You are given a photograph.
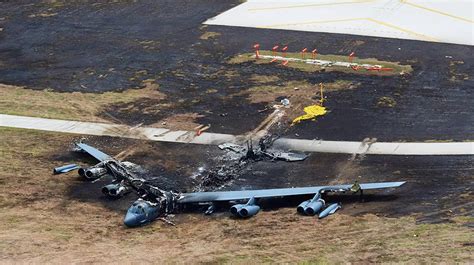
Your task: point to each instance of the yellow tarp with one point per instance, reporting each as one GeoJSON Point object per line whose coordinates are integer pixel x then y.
{"type": "Point", "coordinates": [311, 113]}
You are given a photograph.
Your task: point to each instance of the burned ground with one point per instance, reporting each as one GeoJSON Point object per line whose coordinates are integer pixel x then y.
{"type": "Point", "coordinates": [114, 45]}
{"type": "Point", "coordinates": [437, 188]}
{"type": "Point", "coordinates": [66, 46]}
{"type": "Point", "coordinates": [61, 218]}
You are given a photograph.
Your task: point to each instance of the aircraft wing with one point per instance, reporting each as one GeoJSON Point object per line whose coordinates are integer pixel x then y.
{"type": "Point", "coordinates": [214, 196]}
{"type": "Point", "coordinates": [96, 153]}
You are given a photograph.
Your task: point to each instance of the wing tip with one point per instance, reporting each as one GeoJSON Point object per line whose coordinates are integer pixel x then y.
{"type": "Point", "coordinates": [400, 183]}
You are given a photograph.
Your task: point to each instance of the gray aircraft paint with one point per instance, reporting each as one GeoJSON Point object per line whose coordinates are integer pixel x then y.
{"type": "Point", "coordinates": [147, 212]}
{"type": "Point", "coordinates": [329, 210]}
{"type": "Point", "coordinates": [65, 169]}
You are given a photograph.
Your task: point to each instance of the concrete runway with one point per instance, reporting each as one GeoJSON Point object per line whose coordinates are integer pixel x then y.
{"type": "Point", "coordinates": [306, 145]}
{"type": "Point", "coordinates": [423, 20]}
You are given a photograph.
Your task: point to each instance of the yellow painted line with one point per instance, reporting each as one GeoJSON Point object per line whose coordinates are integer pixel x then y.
{"type": "Point", "coordinates": [309, 5]}
{"type": "Point", "coordinates": [437, 11]}
{"type": "Point", "coordinates": [310, 22]}
{"type": "Point", "coordinates": [419, 35]}
{"type": "Point", "coordinates": [424, 37]}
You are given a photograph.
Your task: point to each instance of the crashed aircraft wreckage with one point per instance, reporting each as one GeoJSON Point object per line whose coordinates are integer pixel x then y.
{"type": "Point", "coordinates": [155, 202]}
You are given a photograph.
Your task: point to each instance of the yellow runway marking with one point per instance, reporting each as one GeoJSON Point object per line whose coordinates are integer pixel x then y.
{"type": "Point", "coordinates": [437, 11]}
{"type": "Point", "coordinates": [310, 5]}
{"type": "Point", "coordinates": [311, 22]}
{"type": "Point", "coordinates": [419, 35]}
{"type": "Point", "coordinates": [402, 29]}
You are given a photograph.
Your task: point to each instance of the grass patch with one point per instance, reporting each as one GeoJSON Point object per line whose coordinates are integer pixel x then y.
{"type": "Point", "coordinates": [262, 79]}
{"type": "Point", "coordinates": [67, 105]}
{"type": "Point", "coordinates": [397, 67]}
{"type": "Point", "coordinates": [62, 229]}
{"type": "Point", "coordinates": [209, 35]}
{"type": "Point", "coordinates": [297, 91]}
{"type": "Point", "coordinates": [386, 102]}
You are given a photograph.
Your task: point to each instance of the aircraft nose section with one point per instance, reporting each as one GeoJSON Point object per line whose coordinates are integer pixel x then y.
{"type": "Point", "coordinates": [131, 220]}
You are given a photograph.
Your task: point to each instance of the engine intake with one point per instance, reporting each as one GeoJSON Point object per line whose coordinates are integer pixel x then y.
{"type": "Point", "coordinates": [311, 207]}
{"type": "Point", "coordinates": [245, 210]}
{"type": "Point", "coordinates": [92, 172]}
{"type": "Point", "coordinates": [115, 190]}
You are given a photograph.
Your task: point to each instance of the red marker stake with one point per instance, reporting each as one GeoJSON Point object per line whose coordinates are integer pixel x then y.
{"type": "Point", "coordinates": [256, 47]}
{"type": "Point", "coordinates": [314, 53]}
{"type": "Point", "coordinates": [274, 50]}
{"type": "Point", "coordinates": [351, 56]}
{"type": "Point", "coordinates": [303, 51]}
{"type": "Point", "coordinates": [283, 51]}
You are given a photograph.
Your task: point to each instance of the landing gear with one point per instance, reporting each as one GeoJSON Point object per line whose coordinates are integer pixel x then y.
{"type": "Point", "coordinates": [210, 210]}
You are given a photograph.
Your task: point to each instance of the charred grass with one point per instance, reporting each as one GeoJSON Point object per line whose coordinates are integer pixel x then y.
{"type": "Point", "coordinates": [44, 225]}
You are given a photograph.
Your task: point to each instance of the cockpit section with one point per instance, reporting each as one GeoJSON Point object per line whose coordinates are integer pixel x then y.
{"type": "Point", "coordinates": [141, 212]}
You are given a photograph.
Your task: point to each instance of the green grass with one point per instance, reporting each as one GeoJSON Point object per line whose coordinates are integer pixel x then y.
{"type": "Point", "coordinates": [397, 67]}
{"type": "Point", "coordinates": [66, 105]}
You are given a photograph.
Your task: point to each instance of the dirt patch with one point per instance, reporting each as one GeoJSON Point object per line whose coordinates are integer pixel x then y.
{"type": "Point", "coordinates": [45, 224]}
{"type": "Point", "coordinates": [209, 35]}
{"type": "Point", "coordinates": [114, 45]}
{"type": "Point", "coordinates": [300, 93]}
{"type": "Point", "coordinates": [264, 79]}
{"type": "Point", "coordinates": [185, 121]}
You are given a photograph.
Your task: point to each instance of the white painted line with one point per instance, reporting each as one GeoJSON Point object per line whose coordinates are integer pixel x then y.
{"type": "Point", "coordinates": [165, 135]}
{"type": "Point", "coordinates": [438, 21]}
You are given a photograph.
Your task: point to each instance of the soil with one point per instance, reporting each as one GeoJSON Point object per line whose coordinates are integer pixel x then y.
{"type": "Point", "coordinates": [76, 46]}
{"type": "Point", "coordinates": [62, 218]}
{"type": "Point", "coordinates": [116, 45]}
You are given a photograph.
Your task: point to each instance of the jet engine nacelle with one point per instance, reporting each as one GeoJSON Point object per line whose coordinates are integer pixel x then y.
{"type": "Point", "coordinates": [311, 207]}
{"type": "Point", "coordinates": [244, 210]}
{"type": "Point", "coordinates": [115, 190]}
{"type": "Point", "coordinates": [92, 172]}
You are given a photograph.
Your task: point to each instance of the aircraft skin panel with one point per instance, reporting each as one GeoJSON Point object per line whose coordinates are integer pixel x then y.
{"type": "Point", "coordinates": [96, 153]}
{"type": "Point", "coordinates": [268, 193]}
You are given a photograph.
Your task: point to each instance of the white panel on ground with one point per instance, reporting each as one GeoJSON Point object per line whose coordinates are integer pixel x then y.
{"type": "Point", "coordinates": [402, 19]}
{"type": "Point", "coordinates": [165, 135]}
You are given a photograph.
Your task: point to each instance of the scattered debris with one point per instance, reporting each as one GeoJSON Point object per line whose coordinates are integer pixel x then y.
{"type": "Point", "coordinates": [363, 148]}
{"type": "Point", "coordinates": [285, 102]}
{"type": "Point", "coordinates": [330, 210]}
{"type": "Point", "coordinates": [242, 156]}
{"type": "Point", "coordinates": [201, 128]}
{"type": "Point", "coordinates": [65, 169]}
{"type": "Point", "coordinates": [166, 221]}
{"type": "Point", "coordinates": [43, 15]}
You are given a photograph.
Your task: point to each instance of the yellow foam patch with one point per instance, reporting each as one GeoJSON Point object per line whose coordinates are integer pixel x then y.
{"type": "Point", "coordinates": [311, 113]}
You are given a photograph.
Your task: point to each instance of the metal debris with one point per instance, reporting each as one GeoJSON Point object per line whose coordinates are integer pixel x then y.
{"type": "Point", "coordinates": [65, 169]}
